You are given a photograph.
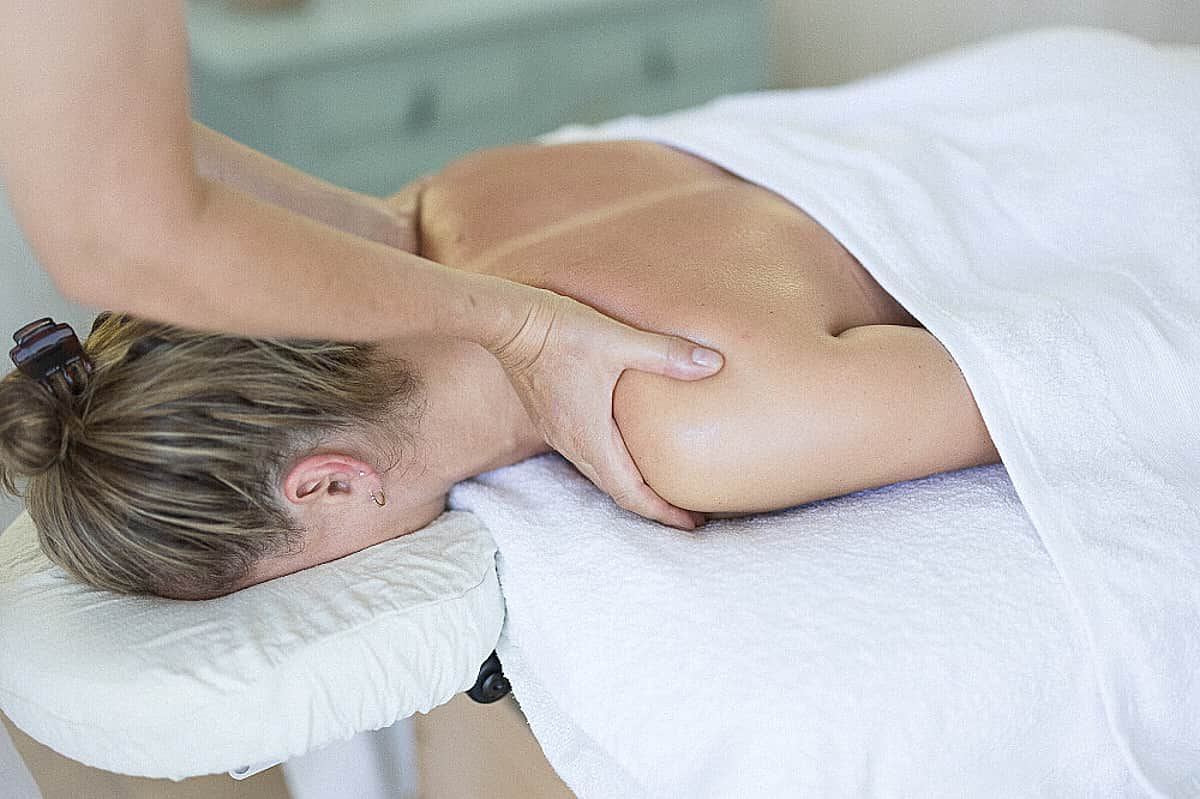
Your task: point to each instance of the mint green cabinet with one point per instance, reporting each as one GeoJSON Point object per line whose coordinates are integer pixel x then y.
{"type": "Point", "coordinates": [370, 93]}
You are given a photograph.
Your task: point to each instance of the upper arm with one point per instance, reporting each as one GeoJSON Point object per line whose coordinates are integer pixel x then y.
{"type": "Point", "coordinates": [723, 444]}
{"type": "Point", "coordinates": [95, 137]}
{"type": "Point", "coordinates": [791, 421]}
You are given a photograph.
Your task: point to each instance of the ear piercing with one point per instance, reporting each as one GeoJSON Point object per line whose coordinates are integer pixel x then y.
{"type": "Point", "coordinates": [380, 500]}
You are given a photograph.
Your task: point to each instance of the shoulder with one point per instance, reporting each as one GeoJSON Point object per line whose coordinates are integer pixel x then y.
{"type": "Point", "coordinates": [715, 445]}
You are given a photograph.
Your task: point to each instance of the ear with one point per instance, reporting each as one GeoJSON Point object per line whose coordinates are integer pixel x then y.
{"type": "Point", "coordinates": [328, 477]}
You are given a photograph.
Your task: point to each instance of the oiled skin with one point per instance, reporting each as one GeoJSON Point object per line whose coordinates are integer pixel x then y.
{"type": "Point", "coordinates": [830, 386]}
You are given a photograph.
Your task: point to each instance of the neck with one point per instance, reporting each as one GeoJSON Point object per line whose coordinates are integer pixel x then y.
{"type": "Point", "coordinates": [472, 420]}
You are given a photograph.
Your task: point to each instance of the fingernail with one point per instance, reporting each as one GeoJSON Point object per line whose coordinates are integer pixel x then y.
{"type": "Point", "coordinates": [710, 359]}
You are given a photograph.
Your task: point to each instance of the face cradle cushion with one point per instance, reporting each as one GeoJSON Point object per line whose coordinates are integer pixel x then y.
{"type": "Point", "coordinates": [165, 688]}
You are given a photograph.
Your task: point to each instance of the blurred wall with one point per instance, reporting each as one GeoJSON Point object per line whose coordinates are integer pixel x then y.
{"type": "Point", "coordinates": [820, 42]}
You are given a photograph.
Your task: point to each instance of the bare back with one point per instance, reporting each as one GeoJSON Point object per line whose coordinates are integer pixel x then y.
{"type": "Point", "coordinates": [671, 243]}
{"type": "Point", "coordinates": [652, 236]}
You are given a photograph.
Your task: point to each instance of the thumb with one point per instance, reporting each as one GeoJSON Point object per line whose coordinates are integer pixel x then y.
{"type": "Point", "coordinates": [672, 356]}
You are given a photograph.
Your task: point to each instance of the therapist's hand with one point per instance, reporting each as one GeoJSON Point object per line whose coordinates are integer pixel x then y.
{"type": "Point", "coordinates": [564, 361]}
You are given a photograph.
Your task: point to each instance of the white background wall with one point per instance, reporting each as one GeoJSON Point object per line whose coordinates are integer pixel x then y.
{"type": "Point", "coordinates": [819, 42]}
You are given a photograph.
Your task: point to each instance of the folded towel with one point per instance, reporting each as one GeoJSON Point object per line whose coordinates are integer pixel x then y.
{"type": "Point", "coordinates": [1035, 203]}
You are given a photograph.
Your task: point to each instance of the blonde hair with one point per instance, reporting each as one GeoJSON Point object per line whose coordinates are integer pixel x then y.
{"type": "Point", "coordinates": [161, 476]}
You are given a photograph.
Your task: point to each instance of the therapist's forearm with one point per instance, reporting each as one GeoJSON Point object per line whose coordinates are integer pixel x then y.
{"type": "Point", "coordinates": [98, 154]}
{"type": "Point", "coordinates": [235, 262]}
{"type": "Point", "coordinates": [224, 160]}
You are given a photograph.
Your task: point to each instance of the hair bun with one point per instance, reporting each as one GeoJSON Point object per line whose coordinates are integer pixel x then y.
{"type": "Point", "coordinates": [33, 426]}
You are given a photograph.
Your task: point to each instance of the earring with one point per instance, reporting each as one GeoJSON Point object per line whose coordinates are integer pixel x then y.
{"type": "Point", "coordinates": [380, 500]}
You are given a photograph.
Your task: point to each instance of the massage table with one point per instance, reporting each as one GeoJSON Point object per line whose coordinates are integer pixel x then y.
{"type": "Point", "coordinates": [1031, 629]}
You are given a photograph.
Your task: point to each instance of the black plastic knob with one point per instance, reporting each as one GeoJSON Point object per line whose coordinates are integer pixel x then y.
{"type": "Point", "coordinates": [491, 685]}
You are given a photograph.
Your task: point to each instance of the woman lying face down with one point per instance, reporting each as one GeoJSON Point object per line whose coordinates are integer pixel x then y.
{"type": "Point", "coordinates": [193, 464]}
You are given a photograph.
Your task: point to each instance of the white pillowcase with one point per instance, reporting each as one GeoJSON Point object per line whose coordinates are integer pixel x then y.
{"type": "Point", "coordinates": [165, 688]}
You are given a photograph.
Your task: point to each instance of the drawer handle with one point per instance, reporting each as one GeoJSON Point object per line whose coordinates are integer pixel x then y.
{"type": "Point", "coordinates": [658, 63]}
{"type": "Point", "coordinates": [422, 110]}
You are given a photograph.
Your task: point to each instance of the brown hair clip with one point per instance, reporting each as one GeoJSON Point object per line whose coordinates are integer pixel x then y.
{"type": "Point", "coordinates": [46, 349]}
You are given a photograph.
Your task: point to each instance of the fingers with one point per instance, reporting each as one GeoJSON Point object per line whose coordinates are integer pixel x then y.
{"type": "Point", "coordinates": [563, 360]}
{"type": "Point", "coordinates": [621, 480]}
{"type": "Point", "coordinates": [644, 502]}
{"type": "Point", "coordinates": [672, 356]}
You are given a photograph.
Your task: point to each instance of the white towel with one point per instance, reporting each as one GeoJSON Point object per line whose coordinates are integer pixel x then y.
{"type": "Point", "coordinates": [909, 641]}
{"type": "Point", "coordinates": [1035, 202]}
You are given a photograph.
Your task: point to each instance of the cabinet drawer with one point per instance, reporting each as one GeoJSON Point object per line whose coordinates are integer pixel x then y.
{"type": "Point", "coordinates": [248, 110]}
{"type": "Point", "coordinates": [381, 165]}
{"type": "Point", "coordinates": [656, 98]}
{"type": "Point", "coordinates": [406, 102]}
{"type": "Point", "coordinates": [659, 48]}
{"type": "Point", "coordinates": [400, 94]}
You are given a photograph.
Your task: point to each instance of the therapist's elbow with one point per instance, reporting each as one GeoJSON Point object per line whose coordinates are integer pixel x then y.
{"type": "Point", "coordinates": [80, 270]}
{"type": "Point", "coordinates": [114, 258]}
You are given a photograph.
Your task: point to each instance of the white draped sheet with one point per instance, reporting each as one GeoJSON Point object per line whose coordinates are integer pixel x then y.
{"type": "Point", "coordinates": [1035, 202]}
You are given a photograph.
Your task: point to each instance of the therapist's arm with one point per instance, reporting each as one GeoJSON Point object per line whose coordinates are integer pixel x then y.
{"type": "Point", "coordinates": [220, 158]}
{"type": "Point", "coordinates": [96, 152]}
{"type": "Point", "coordinates": [96, 147]}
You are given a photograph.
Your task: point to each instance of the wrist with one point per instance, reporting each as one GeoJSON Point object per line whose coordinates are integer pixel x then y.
{"type": "Point", "coordinates": [490, 311]}
{"type": "Point", "coordinates": [378, 223]}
